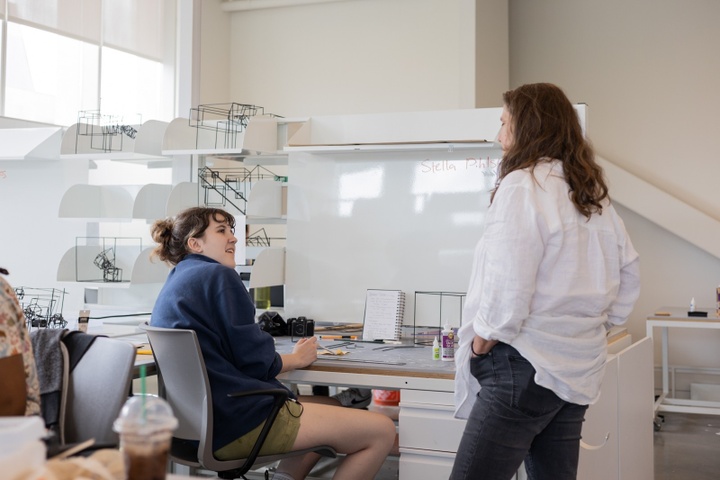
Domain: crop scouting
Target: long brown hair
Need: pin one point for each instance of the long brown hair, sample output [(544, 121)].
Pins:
[(544, 126), (172, 234)]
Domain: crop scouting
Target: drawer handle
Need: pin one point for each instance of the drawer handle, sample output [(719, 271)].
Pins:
[(587, 446)]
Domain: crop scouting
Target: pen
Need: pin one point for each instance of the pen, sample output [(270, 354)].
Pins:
[(338, 337)]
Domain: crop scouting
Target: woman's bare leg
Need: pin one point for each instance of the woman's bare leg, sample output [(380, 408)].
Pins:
[(364, 437), (319, 399)]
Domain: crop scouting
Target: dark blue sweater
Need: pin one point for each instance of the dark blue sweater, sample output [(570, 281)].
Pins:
[(202, 295)]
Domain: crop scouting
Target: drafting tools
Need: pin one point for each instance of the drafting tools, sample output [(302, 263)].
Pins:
[(379, 362)]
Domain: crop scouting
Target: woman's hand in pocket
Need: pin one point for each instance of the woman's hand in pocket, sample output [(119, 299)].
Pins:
[(480, 346)]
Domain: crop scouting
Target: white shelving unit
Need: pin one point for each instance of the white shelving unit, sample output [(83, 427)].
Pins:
[(157, 144), (76, 265), (83, 141), (30, 143)]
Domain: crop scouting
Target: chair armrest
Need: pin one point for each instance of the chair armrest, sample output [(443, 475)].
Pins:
[(275, 392), (280, 396)]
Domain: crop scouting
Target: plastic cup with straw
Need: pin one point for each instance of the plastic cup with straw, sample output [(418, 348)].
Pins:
[(145, 426)]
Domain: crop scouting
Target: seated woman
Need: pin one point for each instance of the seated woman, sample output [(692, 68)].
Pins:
[(19, 386), (204, 293)]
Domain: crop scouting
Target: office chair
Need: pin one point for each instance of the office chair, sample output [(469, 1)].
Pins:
[(97, 388), (185, 385), (84, 382)]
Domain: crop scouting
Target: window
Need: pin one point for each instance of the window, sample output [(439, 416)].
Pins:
[(67, 56), (49, 77), (132, 87)]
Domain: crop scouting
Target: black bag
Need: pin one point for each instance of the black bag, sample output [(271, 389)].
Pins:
[(273, 323)]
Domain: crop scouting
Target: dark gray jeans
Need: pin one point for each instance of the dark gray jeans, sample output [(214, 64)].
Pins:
[(515, 419)]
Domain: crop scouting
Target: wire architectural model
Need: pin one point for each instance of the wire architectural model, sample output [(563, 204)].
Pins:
[(42, 306), (111, 273), (106, 132), (226, 120), (223, 186)]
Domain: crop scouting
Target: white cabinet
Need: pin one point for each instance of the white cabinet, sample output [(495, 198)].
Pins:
[(618, 429), (429, 434), (617, 441), (600, 440), (635, 411)]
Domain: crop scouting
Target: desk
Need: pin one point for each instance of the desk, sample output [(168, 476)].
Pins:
[(618, 430), (429, 435), (678, 318), (388, 367)]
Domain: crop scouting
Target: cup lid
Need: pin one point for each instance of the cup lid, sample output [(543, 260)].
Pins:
[(144, 414)]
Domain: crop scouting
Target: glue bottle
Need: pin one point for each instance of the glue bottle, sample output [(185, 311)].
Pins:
[(435, 349), (447, 346)]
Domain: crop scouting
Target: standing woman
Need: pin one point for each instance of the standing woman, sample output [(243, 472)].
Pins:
[(204, 293), (553, 271)]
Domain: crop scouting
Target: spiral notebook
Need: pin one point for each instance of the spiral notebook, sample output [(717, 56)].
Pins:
[(384, 311)]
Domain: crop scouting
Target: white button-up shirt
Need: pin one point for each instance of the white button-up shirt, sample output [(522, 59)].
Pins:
[(549, 282)]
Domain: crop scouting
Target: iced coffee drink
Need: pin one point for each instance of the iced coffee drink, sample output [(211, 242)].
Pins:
[(145, 426)]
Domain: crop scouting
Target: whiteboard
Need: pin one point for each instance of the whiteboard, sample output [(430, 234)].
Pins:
[(389, 219)]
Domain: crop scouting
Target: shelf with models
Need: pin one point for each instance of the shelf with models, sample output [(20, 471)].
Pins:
[(260, 142), (156, 143), (92, 140), (119, 202), (111, 262)]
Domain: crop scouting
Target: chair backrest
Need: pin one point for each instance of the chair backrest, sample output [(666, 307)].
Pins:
[(186, 387), (97, 388)]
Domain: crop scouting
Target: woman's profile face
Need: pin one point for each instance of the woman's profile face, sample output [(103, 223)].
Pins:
[(505, 137), (217, 242)]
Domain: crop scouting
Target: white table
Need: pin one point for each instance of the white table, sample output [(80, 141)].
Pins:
[(678, 318)]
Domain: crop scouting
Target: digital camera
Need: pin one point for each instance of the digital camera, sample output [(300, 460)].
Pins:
[(300, 327)]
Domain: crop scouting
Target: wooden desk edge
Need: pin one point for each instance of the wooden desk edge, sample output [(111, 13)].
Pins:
[(379, 370)]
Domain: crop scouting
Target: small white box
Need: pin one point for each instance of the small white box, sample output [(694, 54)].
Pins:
[(705, 392)]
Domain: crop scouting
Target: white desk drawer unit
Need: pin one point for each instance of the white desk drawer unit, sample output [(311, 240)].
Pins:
[(424, 464), (429, 434), (427, 422)]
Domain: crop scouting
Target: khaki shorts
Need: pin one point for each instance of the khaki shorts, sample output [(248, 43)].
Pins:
[(280, 439)]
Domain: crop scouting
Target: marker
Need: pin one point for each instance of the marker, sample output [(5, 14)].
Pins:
[(338, 337)]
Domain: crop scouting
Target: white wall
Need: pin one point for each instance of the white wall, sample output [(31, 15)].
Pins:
[(215, 50), (648, 71), (366, 56)]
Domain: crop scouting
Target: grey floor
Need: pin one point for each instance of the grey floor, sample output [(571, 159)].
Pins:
[(687, 447)]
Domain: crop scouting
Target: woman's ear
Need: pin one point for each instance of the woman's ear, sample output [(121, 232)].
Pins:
[(194, 245)]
